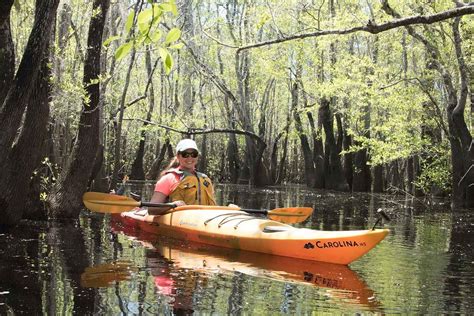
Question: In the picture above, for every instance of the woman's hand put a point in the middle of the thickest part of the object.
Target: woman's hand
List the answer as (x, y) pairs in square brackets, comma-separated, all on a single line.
[(179, 203)]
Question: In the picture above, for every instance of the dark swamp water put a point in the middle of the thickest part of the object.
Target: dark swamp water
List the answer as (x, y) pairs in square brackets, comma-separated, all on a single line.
[(95, 266)]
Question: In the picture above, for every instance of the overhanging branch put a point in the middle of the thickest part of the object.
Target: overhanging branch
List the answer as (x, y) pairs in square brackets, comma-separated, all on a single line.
[(373, 28), (200, 131)]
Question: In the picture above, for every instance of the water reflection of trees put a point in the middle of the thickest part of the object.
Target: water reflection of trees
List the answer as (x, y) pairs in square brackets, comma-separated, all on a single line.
[(426, 255)]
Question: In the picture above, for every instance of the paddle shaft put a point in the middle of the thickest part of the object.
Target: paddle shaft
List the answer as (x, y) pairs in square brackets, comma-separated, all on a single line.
[(109, 203), (150, 204), (252, 211)]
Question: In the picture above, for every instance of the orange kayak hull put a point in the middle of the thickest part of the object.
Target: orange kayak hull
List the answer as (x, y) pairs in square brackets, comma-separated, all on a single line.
[(229, 228)]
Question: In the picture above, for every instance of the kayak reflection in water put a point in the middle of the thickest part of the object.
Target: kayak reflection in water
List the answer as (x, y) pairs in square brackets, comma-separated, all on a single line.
[(178, 269), (180, 183)]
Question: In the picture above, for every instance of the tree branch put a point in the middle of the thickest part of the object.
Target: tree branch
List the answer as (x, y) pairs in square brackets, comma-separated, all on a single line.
[(373, 28), (201, 131), (139, 98)]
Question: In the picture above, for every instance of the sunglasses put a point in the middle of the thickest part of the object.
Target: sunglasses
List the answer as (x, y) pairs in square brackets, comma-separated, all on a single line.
[(186, 154)]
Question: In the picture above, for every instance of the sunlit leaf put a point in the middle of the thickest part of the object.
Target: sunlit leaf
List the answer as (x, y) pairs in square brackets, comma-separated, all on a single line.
[(110, 40), (155, 36), (174, 9), (157, 13), (143, 21), (123, 50), (163, 53), (173, 35), (129, 22), (168, 63), (166, 59), (176, 46)]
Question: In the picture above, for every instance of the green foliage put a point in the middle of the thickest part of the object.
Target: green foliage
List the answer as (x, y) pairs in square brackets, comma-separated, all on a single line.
[(378, 84), (149, 33), (123, 50), (436, 171)]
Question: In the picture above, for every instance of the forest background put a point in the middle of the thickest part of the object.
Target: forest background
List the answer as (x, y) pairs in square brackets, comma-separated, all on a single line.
[(341, 95)]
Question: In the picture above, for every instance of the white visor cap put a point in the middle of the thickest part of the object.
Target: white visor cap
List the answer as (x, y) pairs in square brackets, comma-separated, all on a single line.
[(186, 144)]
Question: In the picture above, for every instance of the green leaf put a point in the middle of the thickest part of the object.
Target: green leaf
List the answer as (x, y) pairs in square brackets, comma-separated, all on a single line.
[(166, 59), (163, 53), (174, 9), (143, 20), (123, 50), (168, 63), (129, 23), (165, 7), (176, 46), (173, 35), (149, 18), (155, 36), (157, 10), (110, 40)]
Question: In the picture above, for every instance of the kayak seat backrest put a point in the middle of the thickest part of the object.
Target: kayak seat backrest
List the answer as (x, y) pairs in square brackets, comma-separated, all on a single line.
[(275, 229)]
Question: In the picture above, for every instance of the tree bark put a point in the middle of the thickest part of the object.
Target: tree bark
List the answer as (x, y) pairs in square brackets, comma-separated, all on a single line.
[(318, 152), (137, 172), (118, 127), (378, 179), (361, 181), (7, 51), (333, 175), (66, 198), (155, 168), (309, 172), (348, 159), (25, 155), (18, 95)]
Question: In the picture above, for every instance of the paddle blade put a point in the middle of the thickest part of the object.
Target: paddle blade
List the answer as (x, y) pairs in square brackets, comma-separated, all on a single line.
[(108, 203), (290, 215), (106, 274)]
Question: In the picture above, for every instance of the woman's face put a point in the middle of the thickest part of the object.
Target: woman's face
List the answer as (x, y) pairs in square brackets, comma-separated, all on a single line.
[(188, 159)]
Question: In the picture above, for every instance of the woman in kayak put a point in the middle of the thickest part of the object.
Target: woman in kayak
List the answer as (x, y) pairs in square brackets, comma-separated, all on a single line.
[(180, 183)]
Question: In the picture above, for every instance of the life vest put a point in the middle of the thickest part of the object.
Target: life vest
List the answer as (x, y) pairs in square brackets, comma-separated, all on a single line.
[(193, 188)]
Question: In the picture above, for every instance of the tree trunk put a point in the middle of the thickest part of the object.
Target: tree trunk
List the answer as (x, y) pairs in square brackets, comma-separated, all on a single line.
[(348, 159), (118, 127), (461, 141), (274, 159), (362, 180), (378, 179), (318, 152), (25, 155), (309, 172), (18, 95), (7, 51), (410, 175), (66, 198), (137, 172), (155, 168), (333, 175), (277, 170)]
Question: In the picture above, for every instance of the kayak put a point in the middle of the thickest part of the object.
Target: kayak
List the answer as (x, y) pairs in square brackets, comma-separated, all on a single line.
[(226, 227), (339, 281)]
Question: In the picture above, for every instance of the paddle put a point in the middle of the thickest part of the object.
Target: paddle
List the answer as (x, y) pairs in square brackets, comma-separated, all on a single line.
[(111, 203), (104, 275)]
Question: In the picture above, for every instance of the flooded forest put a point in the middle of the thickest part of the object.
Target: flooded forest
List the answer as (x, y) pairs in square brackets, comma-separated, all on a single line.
[(355, 99)]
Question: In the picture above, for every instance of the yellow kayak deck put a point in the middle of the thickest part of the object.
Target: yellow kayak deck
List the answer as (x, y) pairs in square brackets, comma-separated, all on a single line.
[(226, 227)]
